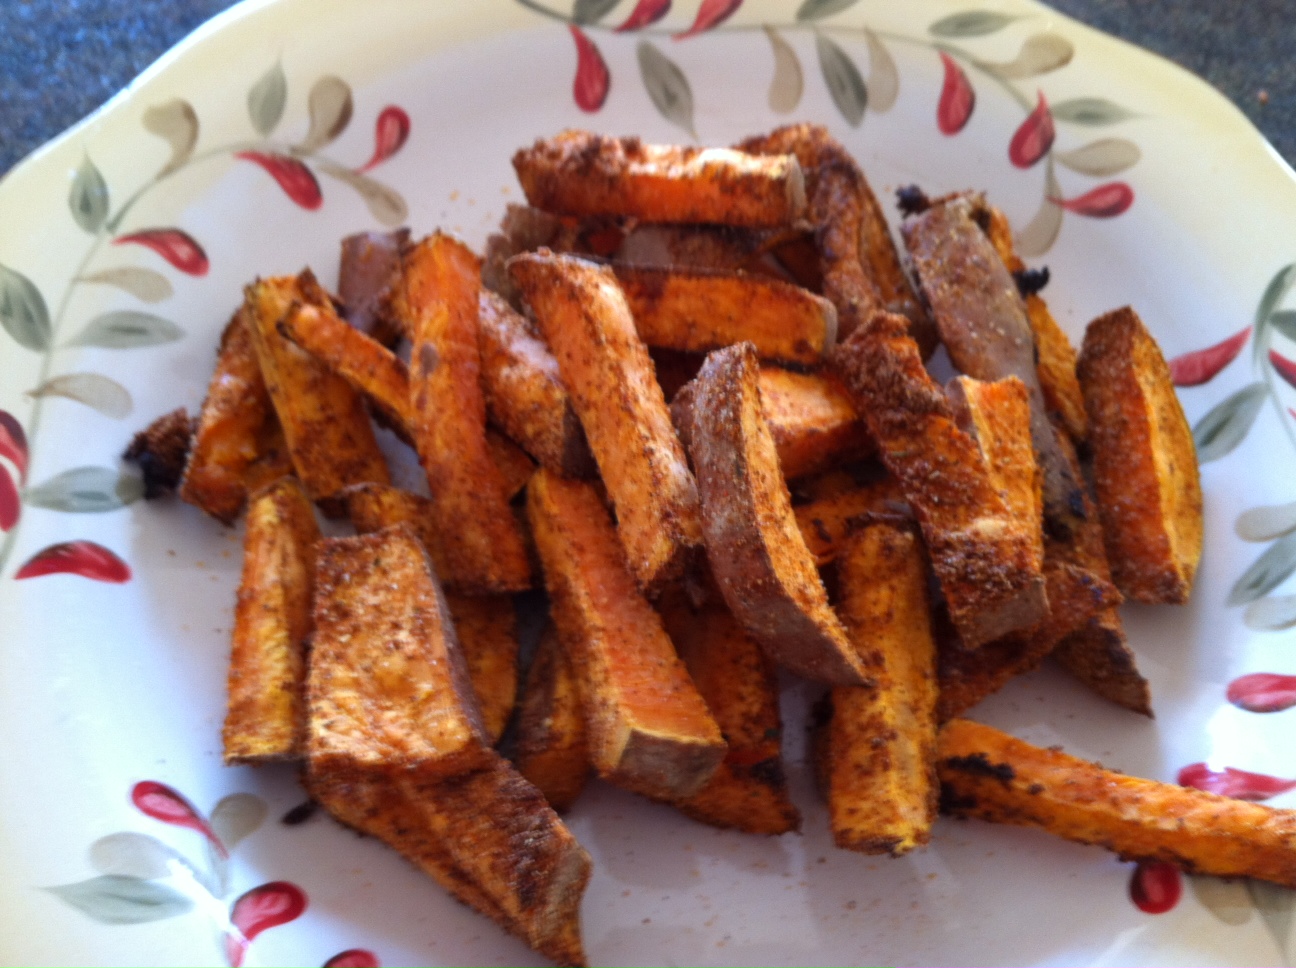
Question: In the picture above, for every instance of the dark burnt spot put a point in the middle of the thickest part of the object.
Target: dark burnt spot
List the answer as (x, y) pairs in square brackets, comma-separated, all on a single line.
[(428, 357), (978, 764), (912, 200), (160, 451), (1035, 789), (1031, 281), (299, 814), (768, 772), (955, 803)]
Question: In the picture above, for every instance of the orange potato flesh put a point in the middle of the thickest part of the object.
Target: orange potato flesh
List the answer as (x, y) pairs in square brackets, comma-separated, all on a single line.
[(552, 741), (579, 173), (272, 621), (515, 467), (649, 730), (814, 423), (486, 627), (827, 522), (483, 547)]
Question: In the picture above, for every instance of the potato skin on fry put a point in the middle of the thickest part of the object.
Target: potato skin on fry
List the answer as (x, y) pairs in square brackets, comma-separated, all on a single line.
[(580, 173), (649, 730), (609, 375), (992, 776), (438, 303), (552, 741), (827, 522), (757, 554), (266, 720), (1144, 460)]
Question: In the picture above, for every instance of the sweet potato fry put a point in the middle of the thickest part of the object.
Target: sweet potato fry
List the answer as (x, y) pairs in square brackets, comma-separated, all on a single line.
[(579, 173), (368, 273), (814, 424), (372, 507), (524, 391), (992, 776), (227, 439), (522, 229), (878, 750), (388, 687), (757, 554), (701, 310), (649, 730), (748, 791), (438, 301), (552, 743), (1144, 461), (515, 467), (1099, 655), (987, 567), (486, 627), (827, 522), (324, 420), (720, 247), (266, 720), (361, 360), (609, 375)]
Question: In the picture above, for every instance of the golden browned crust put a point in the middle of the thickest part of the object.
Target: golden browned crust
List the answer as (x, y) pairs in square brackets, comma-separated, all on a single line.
[(813, 421), (266, 717), (827, 522), (372, 507), (486, 627), (1144, 461), (649, 730), (992, 776), (580, 173), (698, 310), (1099, 656), (552, 749), (609, 376), (759, 559), (988, 569), (483, 547)]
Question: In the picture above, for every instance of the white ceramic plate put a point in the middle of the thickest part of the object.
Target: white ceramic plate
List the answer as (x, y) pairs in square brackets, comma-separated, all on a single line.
[(125, 243)]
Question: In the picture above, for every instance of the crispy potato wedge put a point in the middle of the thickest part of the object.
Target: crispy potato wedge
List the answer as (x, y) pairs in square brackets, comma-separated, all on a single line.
[(552, 749), (579, 173), (438, 303), (231, 425), (760, 561), (1144, 461), (992, 776), (1099, 655), (699, 310), (522, 229), (362, 361), (878, 749), (372, 507), (324, 421), (858, 262), (988, 567), (388, 687), (748, 791), (524, 391), (609, 375), (719, 247), (827, 522), (266, 719), (515, 466), (368, 274), (486, 627), (813, 421), (649, 730)]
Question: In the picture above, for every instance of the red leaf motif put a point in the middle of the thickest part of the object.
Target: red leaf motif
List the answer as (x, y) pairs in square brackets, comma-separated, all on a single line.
[(1286, 368), (1155, 886), (354, 958), (13, 442), (390, 132), (1238, 784), (957, 99), (1105, 201), (710, 15), (645, 12), (590, 88), (297, 181), (161, 802), (10, 502), (1032, 140), (84, 558), (261, 909), (177, 247), (1194, 369), (1263, 692)]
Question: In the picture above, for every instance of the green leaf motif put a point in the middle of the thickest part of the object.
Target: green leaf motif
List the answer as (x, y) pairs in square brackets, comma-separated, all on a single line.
[(970, 23), (1106, 156), (1091, 111), (113, 899), (1269, 571), (88, 198), (1275, 613), (141, 283), (591, 11), (667, 86), (22, 311), (177, 123), (1266, 523), (883, 84), (818, 9), (1039, 54), (787, 83), (128, 329), (1042, 230), (843, 79), (385, 204), (133, 855), (266, 100), (330, 108), (95, 390), (236, 816), (1284, 320), (1227, 423), (1274, 293), (86, 490)]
